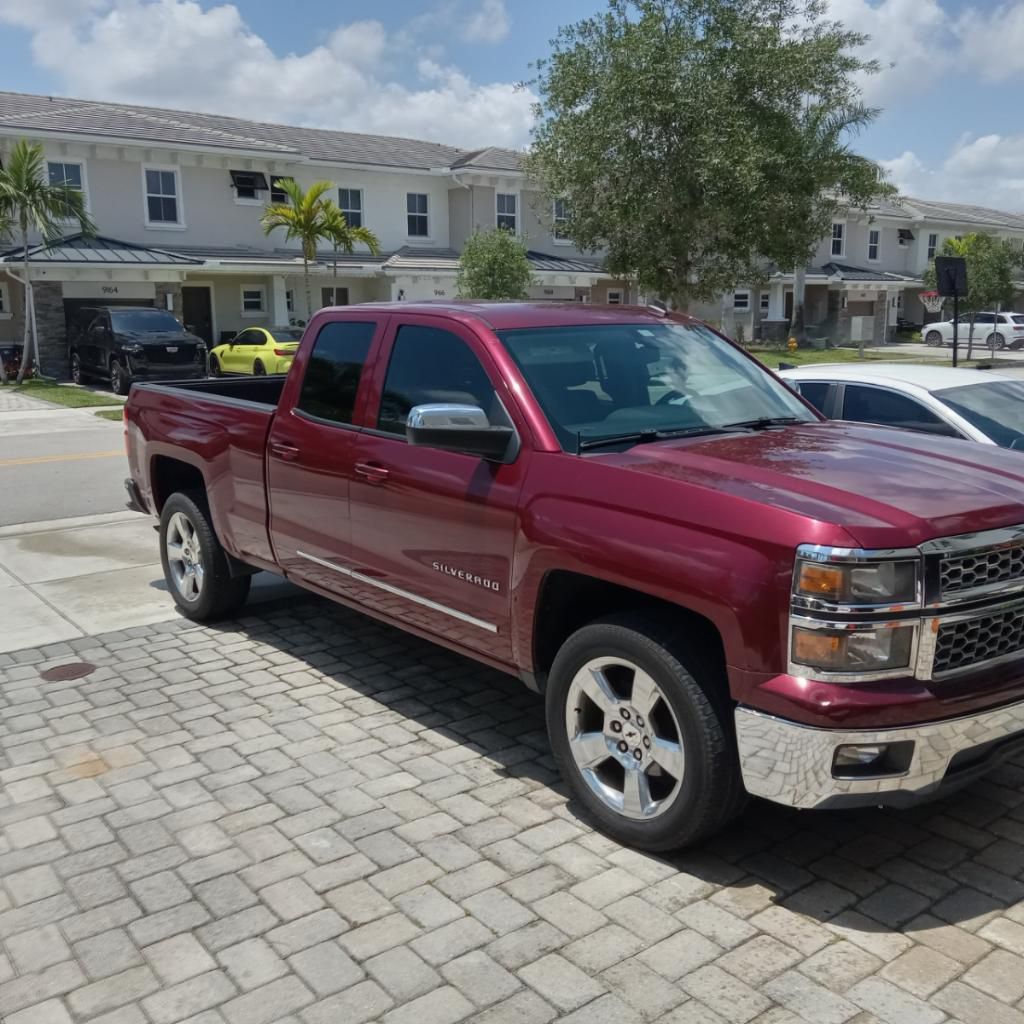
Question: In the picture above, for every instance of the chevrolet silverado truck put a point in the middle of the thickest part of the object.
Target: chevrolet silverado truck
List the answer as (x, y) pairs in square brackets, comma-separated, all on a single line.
[(718, 592)]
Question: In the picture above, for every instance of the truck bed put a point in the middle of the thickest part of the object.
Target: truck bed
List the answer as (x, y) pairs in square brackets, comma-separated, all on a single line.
[(217, 430)]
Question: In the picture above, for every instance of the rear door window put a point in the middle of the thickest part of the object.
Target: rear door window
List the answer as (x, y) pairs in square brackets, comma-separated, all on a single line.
[(335, 367), (817, 392), (889, 408)]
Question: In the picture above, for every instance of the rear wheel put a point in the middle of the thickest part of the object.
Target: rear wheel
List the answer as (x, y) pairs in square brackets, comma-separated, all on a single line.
[(195, 565), (259, 369), (933, 338), (996, 341), (120, 379), (215, 370), (642, 734)]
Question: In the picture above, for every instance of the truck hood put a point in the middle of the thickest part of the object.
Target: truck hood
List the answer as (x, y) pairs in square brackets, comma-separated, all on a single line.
[(883, 486)]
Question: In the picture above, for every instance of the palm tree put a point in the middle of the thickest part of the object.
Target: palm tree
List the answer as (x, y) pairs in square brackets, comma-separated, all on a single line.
[(344, 237), (29, 202), (302, 217)]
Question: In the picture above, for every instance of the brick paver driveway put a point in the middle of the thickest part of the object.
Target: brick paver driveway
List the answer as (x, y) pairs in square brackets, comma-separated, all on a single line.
[(307, 816)]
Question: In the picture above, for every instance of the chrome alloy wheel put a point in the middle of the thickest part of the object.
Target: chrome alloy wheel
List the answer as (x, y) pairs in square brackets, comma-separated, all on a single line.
[(184, 556), (624, 738)]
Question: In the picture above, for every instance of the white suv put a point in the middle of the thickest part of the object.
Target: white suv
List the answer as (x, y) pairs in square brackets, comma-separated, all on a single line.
[(993, 330)]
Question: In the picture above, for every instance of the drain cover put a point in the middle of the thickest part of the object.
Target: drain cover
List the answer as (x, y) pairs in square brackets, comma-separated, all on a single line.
[(72, 670)]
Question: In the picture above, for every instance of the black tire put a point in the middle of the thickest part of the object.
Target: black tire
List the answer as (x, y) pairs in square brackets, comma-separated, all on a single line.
[(259, 369), (934, 338), (215, 370), (76, 369), (221, 594), (711, 791), (120, 378), (996, 341)]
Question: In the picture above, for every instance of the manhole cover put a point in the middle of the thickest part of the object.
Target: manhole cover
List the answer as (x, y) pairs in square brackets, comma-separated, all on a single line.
[(72, 670)]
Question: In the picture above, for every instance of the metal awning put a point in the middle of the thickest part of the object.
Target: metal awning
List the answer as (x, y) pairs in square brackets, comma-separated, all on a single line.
[(97, 250)]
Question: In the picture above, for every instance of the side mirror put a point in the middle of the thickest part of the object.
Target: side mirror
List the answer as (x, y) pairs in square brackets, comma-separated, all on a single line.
[(464, 429)]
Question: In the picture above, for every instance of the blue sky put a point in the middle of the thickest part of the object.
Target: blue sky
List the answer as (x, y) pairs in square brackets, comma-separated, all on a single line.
[(952, 124)]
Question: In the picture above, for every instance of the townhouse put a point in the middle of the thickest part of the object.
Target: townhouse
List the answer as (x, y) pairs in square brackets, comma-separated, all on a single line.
[(177, 199), (866, 276)]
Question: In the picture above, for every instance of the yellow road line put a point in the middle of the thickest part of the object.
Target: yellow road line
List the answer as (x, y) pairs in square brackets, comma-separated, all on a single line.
[(35, 459)]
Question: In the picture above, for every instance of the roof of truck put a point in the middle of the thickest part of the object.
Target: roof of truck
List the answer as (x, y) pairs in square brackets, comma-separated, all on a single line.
[(508, 315)]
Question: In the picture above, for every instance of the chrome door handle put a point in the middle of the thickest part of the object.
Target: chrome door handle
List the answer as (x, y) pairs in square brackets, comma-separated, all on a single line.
[(372, 472), (284, 451)]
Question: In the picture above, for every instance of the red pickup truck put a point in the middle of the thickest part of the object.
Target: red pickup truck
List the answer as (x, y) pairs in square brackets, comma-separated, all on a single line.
[(717, 591)]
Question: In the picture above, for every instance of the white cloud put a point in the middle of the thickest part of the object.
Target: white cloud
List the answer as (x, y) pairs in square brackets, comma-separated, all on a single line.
[(911, 39), (993, 43), (178, 53), (489, 24), (987, 170)]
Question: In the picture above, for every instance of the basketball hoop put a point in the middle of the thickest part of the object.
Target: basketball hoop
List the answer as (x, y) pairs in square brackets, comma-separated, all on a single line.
[(932, 301)]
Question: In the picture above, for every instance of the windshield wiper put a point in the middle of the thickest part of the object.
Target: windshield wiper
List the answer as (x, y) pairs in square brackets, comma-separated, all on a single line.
[(646, 436), (764, 422)]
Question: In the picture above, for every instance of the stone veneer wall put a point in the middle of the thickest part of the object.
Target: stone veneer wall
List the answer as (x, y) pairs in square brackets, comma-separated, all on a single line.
[(162, 291), (53, 347)]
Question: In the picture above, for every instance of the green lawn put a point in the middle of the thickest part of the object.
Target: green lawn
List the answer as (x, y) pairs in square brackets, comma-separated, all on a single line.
[(115, 415), (62, 394), (808, 356)]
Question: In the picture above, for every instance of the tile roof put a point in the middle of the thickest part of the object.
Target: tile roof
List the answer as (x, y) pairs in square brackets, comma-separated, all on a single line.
[(97, 249), (961, 213), (848, 272), (218, 131)]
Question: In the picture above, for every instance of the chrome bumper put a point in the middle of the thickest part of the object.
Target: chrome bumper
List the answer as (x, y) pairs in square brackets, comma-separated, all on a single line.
[(792, 764)]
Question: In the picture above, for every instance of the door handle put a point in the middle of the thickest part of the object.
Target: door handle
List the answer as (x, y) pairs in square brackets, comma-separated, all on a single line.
[(284, 451), (372, 472)]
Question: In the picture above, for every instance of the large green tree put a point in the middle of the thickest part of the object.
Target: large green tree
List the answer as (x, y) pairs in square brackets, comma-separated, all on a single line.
[(494, 265), (697, 141), (28, 202), (991, 265)]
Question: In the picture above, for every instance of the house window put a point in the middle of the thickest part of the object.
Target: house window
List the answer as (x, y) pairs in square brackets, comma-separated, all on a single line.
[(333, 297), (741, 301), (560, 219), (161, 196), (416, 214), (838, 239), (906, 236), (62, 175), (614, 297), (254, 300), (933, 245), (506, 210), (277, 195), (248, 185), (874, 242), (765, 301), (350, 202)]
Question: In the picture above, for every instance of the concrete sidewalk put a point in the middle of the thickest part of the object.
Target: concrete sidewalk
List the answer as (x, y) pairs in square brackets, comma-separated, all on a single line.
[(90, 574)]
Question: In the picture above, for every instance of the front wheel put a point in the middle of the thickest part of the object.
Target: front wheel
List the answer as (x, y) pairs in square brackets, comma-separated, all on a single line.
[(996, 342), (642, 734), (215, 370), (195, 565), (76, 369), (120, 379), (933, 338)]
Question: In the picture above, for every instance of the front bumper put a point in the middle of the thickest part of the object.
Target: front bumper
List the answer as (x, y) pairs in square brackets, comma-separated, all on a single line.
[(793, 764)]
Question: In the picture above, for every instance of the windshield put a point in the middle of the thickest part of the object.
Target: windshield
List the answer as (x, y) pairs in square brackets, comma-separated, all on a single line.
[(996, 409), (143, 321), (286, 335), (602, 380)]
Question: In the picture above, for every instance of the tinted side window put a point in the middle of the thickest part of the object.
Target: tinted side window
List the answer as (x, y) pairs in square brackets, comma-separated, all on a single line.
[(816, 392), (429, 365), (879, 405), (335, 367)]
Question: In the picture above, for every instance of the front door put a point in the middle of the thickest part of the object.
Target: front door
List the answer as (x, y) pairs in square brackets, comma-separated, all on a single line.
[(240, 352), (432, 531), (197, 312), (311, 453)]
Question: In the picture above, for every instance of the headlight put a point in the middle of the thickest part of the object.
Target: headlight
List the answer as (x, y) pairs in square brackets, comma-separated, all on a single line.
[(857, 583), (881, 648)]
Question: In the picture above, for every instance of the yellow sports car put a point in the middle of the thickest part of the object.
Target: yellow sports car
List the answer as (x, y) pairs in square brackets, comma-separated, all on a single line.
[(257, 350)]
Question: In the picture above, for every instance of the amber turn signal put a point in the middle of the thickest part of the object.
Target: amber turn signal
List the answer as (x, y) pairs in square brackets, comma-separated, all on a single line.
[(827, 581)]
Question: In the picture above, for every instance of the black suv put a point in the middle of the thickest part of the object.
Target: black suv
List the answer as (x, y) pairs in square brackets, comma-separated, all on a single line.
[(126, 343)]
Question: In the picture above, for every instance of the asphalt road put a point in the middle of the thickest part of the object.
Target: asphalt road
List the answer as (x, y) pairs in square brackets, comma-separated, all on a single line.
[(57, 462)]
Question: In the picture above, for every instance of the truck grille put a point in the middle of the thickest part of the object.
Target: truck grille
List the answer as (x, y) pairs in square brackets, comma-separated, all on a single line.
[(964, 644), (159, 354), (961, 573)]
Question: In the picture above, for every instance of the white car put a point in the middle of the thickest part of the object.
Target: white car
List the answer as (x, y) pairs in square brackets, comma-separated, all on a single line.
[(972, 404), (993, 330)]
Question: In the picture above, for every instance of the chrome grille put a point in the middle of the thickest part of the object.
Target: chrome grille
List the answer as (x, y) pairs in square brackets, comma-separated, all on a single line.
[(967, 643), (962, 573)]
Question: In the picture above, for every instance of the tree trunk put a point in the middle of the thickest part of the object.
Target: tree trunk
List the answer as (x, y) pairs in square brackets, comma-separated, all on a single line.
[(309, 291), (26, 353), (335, 274), (970, 337)]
